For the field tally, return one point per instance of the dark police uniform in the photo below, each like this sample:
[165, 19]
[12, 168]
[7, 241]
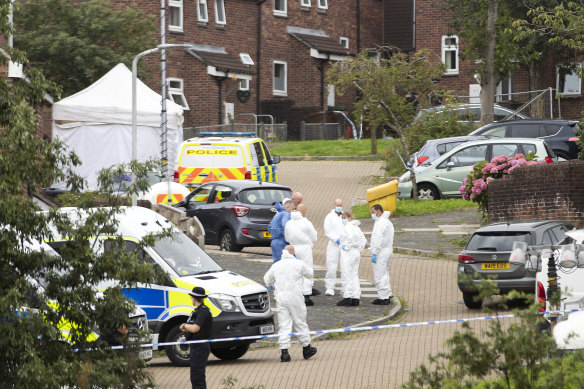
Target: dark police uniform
[202, 317]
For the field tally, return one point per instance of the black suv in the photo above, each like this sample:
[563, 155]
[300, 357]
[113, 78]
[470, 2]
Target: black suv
[487, 254]
[235, 213]
[559, 134]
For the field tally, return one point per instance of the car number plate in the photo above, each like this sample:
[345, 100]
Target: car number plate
[495, 266]
[146, 354]
[266, 234]
[267, 329]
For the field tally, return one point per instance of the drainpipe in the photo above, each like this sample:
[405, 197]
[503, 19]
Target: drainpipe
[219, 81]
[320, 67]
[358, 26]
[259, 56]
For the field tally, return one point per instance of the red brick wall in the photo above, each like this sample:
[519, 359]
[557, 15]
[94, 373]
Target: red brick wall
[547, 192]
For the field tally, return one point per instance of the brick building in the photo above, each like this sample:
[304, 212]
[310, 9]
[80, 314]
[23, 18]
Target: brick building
[426, 26]
[261, 57]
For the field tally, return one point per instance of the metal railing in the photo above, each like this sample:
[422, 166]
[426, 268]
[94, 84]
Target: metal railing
[320, 131]
[268, 132]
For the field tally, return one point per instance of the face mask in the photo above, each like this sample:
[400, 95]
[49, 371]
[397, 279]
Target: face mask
[345, 221]
[373, 216]
[339, 209]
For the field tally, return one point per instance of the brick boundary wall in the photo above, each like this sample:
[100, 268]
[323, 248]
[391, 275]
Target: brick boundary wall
[541, 192]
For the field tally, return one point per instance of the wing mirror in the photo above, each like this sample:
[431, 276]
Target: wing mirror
[276, 159]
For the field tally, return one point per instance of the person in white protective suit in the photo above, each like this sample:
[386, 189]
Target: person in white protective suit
[352, 243]
[301, 234]
[286, 277]
[333, 229]
[381, 247]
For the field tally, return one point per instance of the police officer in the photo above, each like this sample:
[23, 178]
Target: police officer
[198, 327]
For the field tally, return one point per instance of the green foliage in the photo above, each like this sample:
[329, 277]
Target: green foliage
[33, 351]
[319, 148]
[75, 43]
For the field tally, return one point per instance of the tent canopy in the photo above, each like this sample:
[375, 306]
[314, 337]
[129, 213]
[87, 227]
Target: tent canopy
[109, 100]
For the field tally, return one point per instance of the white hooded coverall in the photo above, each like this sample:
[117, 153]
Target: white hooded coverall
[352, 242]
[287, 276]
[333, 229]
[382, 245]
[301, 234]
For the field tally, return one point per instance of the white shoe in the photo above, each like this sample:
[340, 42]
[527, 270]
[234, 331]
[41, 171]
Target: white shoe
[329, 292]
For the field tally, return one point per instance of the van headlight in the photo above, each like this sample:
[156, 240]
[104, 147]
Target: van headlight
[225, 303]
[405, 178]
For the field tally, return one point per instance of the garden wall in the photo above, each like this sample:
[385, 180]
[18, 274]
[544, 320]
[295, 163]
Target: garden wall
[545, 192]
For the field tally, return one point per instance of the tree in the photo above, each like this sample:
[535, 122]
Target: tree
[76, 42]
[487, 42]
[34, 354]
[391, 88]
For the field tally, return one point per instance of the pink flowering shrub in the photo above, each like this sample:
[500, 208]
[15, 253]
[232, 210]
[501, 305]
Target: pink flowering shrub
[474, 186]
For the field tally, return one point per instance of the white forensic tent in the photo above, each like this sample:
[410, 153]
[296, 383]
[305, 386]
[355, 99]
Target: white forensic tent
[96, 123]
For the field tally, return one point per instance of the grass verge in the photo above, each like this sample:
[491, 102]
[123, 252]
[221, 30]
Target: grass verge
[420, 207]
[339, 147]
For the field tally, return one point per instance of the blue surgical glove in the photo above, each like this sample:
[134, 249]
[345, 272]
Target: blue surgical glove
[271, 287]
[374, 258]
[338, 241]
[344, 248]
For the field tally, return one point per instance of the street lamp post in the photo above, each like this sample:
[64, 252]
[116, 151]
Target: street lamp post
[134, 104]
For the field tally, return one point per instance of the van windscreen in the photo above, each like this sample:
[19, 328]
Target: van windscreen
[184, 256]
[211, 156]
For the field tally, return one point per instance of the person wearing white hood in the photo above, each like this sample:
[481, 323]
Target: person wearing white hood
[352, 243]
[301, 234]
[381, 247]
[286, 277]
[333, 229]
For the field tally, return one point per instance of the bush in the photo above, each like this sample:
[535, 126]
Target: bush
[474, 185]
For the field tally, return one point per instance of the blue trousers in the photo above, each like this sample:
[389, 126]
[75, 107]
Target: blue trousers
[277, 246]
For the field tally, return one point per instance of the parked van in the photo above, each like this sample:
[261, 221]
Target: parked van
[240, 306]
[202, 160]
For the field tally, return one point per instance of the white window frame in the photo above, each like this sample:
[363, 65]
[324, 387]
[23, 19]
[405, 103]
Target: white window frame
[176, 4]
[243, 84]
[246, 59]
[275, 91]
[499, 90]
[177, 91]
[448, 48]
[280, 12]
[305, 3]
[220, 3]
[200, 18]
[344, 41]
[322, 4]
[570, 93]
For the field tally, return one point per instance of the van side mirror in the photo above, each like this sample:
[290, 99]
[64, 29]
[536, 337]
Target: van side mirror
[276, 159]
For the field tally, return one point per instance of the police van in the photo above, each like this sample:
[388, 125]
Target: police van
[240, 306]
[206, 159]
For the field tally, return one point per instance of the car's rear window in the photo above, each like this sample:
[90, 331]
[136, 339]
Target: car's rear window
[497, 241]
[263, 196]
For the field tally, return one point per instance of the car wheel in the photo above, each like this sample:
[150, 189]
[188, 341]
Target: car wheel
[470, 302]
[230, 353]
[178, 353]
[227, 241]
[428, 192]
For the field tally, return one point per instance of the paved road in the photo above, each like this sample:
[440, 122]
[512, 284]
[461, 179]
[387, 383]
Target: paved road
[375, 359]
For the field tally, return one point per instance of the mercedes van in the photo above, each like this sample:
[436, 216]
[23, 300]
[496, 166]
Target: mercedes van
[240, 306]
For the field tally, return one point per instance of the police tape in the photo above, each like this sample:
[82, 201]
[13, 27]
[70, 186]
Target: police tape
[350, 329]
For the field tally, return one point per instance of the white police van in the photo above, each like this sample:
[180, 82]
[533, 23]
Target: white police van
[240, 306]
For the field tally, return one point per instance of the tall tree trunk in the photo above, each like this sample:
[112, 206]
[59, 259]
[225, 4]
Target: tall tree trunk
[373, 139]
[538, 107]
[489, 79]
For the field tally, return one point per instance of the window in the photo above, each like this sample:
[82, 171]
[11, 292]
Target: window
[467, 156]
[344, 41]
[175, 92]
[280, 8]
[528, 148]
[280, 78]
[259, 153]
[176, 15]
[201, 195]
[222, 193]
[568, 81]
[499, 132]
[246, 59]
[322, 4]
[202, 11]
[244, 84]
[509, 150]
[504, 90]
[331, 95]
[450, 53]
[525, 131]
[305, 3]
[220, 12]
